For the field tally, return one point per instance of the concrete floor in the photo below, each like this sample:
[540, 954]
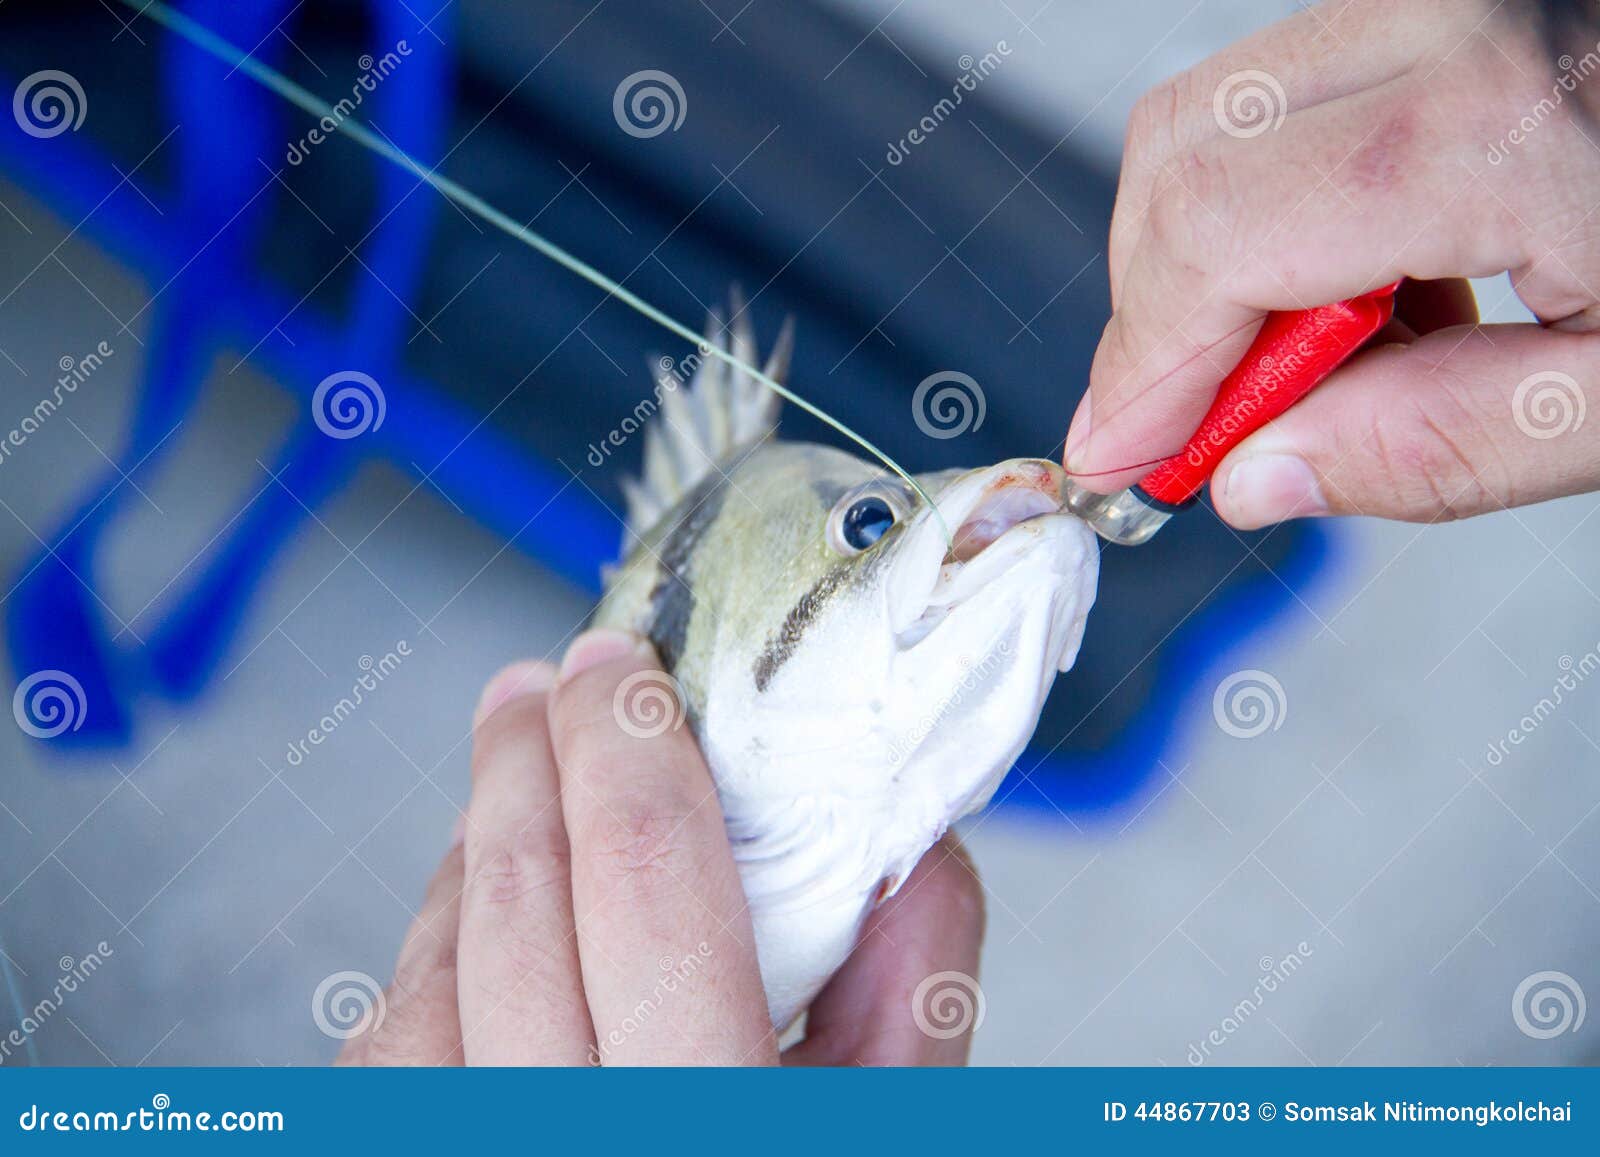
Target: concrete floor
[1367, 835]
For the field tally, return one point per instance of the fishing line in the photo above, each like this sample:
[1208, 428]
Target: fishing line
[206, 40]
[1117, 469]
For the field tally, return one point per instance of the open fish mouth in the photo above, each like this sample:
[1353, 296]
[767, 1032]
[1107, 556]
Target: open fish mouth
[997, 518]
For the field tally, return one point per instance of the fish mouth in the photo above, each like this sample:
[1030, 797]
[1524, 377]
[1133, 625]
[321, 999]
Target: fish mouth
[996, 518]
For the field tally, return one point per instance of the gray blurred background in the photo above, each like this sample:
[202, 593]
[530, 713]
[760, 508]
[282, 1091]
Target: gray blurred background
[1367, 835]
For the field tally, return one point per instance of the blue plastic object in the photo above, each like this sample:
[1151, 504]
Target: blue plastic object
[205, 252]
[55, 622]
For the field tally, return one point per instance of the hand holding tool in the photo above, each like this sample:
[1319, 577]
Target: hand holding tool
[1294, 352]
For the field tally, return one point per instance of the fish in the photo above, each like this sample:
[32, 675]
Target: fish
[860, 666]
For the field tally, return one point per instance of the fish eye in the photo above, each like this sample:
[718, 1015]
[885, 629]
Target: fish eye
[860, 520]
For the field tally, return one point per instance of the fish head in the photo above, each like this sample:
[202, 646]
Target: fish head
[903, 650]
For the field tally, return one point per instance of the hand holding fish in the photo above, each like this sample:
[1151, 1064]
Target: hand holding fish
[591, 911]
[1343, 149]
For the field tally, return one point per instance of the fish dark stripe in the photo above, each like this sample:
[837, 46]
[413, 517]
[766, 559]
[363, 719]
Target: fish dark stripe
[829, 491]
[672, 600]
[778, 649]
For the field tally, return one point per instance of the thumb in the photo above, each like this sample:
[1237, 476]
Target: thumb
[1463, 421]
[909, 993]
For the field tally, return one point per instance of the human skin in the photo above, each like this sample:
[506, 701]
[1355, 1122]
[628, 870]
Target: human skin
[1414, 144]
[589, 856]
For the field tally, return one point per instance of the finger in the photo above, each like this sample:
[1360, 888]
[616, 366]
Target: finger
[669, 963]
[520, 986]
[1460, 422]
[419, 1025]
[909, 994]
[1345, 198]
[1312, 57]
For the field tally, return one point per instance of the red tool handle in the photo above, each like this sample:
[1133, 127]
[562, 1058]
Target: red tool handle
[1293, 352]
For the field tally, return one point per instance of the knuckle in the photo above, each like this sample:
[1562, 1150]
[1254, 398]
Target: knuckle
[1385, 155]
[1152, 125]
[638, 840]
[524, 866]
[1186, 221]
[1151, 138]
[1167, 220]
[523, 889]
[1438, 458]
[1506, 73]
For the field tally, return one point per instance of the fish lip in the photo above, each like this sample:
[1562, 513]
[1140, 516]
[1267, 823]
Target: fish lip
[1011, 499]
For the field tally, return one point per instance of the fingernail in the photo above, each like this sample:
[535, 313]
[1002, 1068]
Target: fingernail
[524, 678]
[1078, 432]
[1269, 488]
[592, 648]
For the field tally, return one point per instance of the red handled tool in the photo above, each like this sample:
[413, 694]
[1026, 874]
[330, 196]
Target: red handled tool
[1292, 354]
